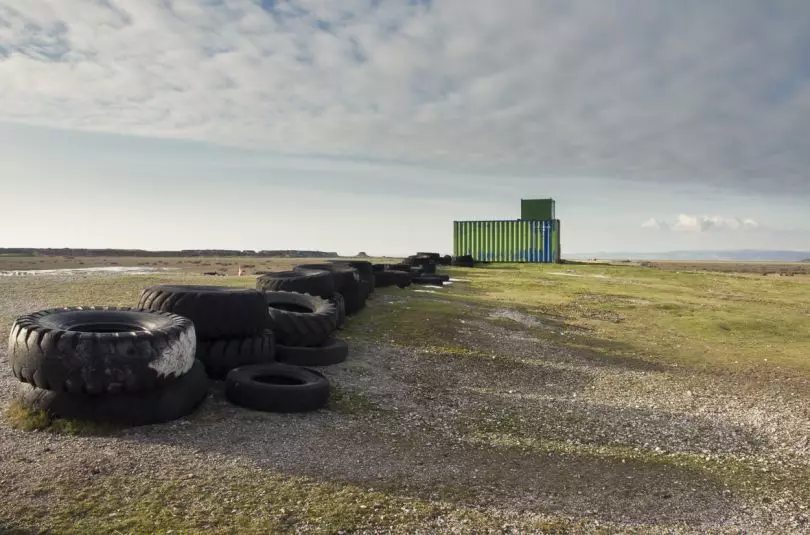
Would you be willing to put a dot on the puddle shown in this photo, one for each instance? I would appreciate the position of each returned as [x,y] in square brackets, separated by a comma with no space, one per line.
[597,276]
[115,270]
[520,317]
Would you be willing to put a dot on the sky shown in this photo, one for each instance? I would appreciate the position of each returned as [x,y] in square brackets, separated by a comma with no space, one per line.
[370,125]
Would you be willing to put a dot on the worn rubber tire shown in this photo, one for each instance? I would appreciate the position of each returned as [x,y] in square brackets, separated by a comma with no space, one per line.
[320,283]
[311,326]
[377,267]
[398,267]
[443,276]
[345,277]
[445,260]
[116,350]
[333,351]
[170,401]
[435,257]
[309,391]
[217,311]
[340,309]
[355,300]
[223,355]
[428,279]
[364,269]
[463,261]
[402,278]
[383,279]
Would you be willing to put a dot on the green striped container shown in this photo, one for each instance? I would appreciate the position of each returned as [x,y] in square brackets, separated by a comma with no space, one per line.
[508,241]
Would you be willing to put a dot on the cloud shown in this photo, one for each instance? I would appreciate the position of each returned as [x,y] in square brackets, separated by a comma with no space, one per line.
[653,223]
[693,223]
[645,91]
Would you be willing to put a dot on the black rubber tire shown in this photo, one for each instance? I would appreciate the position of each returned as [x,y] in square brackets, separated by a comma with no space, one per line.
[95,350]
[305,389]
[377,267]
[345,277]
[445,260]
[463,261]
[444,277]
[217,311]
[383,279]
[320,283]
[300,319]
[428,269]
[398,267]
[170,401]
[340,309]
[223,355]
[355,300]
[428,279]
[435,257]
[403,278]
[333,351]
[364,269]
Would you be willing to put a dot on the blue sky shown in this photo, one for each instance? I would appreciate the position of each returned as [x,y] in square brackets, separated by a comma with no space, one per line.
[371,125]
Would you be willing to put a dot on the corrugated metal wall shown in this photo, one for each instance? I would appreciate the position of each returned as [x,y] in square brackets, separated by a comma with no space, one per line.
[508,241]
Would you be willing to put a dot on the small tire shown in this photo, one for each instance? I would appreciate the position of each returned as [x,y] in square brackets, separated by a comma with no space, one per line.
[334,351]
[170,401]
[300,319]
[95,350]
[222,355]
[277,388]
[217,311]
[319,283]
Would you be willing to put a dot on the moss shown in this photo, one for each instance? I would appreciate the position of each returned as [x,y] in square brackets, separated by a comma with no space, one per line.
[241,501]
[20,417]
[350,402]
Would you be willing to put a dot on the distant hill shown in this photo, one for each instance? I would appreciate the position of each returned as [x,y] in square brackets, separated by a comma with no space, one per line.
[743,255]
[28,251]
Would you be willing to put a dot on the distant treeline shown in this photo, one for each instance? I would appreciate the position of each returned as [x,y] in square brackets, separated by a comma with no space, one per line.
[184,252]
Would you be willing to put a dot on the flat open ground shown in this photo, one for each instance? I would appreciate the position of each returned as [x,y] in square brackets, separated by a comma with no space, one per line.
[558,398]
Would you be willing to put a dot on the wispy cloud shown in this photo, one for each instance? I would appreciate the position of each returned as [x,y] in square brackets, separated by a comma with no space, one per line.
[693,223]
[644,90]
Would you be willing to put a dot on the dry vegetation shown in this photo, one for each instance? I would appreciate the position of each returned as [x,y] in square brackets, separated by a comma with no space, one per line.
[561,399]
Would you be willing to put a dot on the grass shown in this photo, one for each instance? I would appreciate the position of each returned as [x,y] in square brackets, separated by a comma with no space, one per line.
[347,401]
[243,500]
[700,320]
[695,323]
[19,417]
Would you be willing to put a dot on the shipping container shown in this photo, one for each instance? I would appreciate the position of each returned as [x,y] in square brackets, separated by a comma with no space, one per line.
[542,209]
[508,241]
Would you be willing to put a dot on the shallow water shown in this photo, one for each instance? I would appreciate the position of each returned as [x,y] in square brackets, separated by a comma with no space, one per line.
[115,270]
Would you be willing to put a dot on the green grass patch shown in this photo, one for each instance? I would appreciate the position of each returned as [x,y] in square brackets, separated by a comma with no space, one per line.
[240,500]
[346,401]
[20,417]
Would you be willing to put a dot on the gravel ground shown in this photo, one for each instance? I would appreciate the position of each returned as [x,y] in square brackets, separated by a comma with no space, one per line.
[520,428]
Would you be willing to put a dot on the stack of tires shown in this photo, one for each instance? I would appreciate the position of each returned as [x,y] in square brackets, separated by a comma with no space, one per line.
[348,283]
[107,365]
[392,275]
[231,323]
[319,283]
[304,326]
